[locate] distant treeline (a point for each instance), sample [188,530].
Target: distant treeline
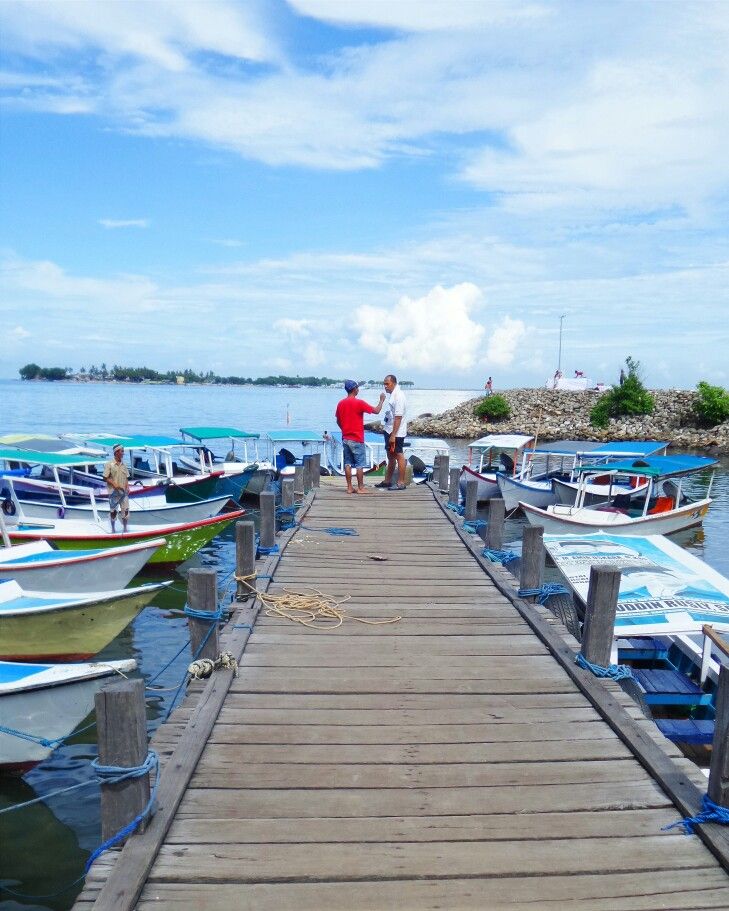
[147,375]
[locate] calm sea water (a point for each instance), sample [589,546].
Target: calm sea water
[43,848]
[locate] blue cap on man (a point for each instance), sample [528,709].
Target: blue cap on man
[350,385]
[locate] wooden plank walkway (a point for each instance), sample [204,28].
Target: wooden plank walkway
[443,761]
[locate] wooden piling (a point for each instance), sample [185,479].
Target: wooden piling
[454,492]
[268,519]
[287,492]
[121,723]
[202,595]
[444,469]
[533,556]
[306,462]
[436,471]
[299,481]
[245,558]
[718,790]
[599,626]
[315,460]
[494,536]
[471,504]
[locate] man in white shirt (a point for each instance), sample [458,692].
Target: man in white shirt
[395,423]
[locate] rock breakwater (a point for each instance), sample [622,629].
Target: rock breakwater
[560,415]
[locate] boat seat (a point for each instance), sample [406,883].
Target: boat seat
[642,648]
[669,687]
[687,730]
[662,504]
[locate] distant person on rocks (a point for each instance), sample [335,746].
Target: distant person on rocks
[116,475]
[622,376]
[557,378]
[350,418]
[489,387]
[395,423]
[579,374]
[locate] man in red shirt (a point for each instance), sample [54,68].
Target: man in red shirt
[350,417]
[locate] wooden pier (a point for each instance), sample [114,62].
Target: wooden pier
[454,759]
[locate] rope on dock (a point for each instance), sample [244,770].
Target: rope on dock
[710,812]
[313,609]
[544,592]
[612,671]
[499,556]
[202,668]
[455,507]
[474,525]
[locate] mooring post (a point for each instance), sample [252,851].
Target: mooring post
[602,603]
[494,532]
[454,490]
[315,458]
[533,557]
[287,492]
[202,595]
[121,726]
[299,481]
[306,462]
[443,470]
[471,504]
[435,476]
[719,767]
[245,559]
[268,518]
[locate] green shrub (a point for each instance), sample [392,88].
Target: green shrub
[493,407]
[629,398]
[712,405]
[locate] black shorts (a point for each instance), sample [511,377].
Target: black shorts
[399,443]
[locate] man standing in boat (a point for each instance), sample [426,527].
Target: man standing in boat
[396,426]
[116,475]
[350,417]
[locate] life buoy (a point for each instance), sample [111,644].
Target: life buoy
[8,507]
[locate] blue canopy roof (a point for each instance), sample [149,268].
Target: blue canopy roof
[217,433]
[629,448]
[653,466]
[294,436]
[138,441]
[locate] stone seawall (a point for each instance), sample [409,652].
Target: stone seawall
[566,415]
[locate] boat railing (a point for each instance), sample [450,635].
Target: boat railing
[711,639]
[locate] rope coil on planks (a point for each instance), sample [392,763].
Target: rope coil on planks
[314,609]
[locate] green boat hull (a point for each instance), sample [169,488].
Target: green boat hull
[203,489]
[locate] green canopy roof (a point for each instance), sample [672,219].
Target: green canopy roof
[137,441]
[46,458]
[217,433]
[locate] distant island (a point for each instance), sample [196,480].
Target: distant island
[117,374]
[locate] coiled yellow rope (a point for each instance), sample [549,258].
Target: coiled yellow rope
[313,609]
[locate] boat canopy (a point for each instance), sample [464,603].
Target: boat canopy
[58,459]
[564,447]
[218,433]
[630,448]
[652,467]
[501,441]
[294,436]
[138,441]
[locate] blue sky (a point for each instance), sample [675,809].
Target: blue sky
[351,188]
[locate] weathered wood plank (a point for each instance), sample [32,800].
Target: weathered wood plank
[633,891]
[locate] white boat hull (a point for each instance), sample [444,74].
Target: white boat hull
[163,514]
[50,710]
[37,566]
[595,494]
[536,493]
[487,484]
[561,520]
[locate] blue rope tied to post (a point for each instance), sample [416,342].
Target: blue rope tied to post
[455,507]
[612,671]
[265,551]
[499,556]
[286,523]
[335,530]
[210,616]
[710,812]
[110,774]
[473,525]
[544,593]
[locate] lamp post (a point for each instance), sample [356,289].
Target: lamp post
[559,356]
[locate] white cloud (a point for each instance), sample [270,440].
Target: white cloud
[124,222]
[434,332]
[19,333]
[292,328]
[314,355]
[504,342]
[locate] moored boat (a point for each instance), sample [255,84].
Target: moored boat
[75,626]
[489,456]
[244,473]
[655,509]
[46,702]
